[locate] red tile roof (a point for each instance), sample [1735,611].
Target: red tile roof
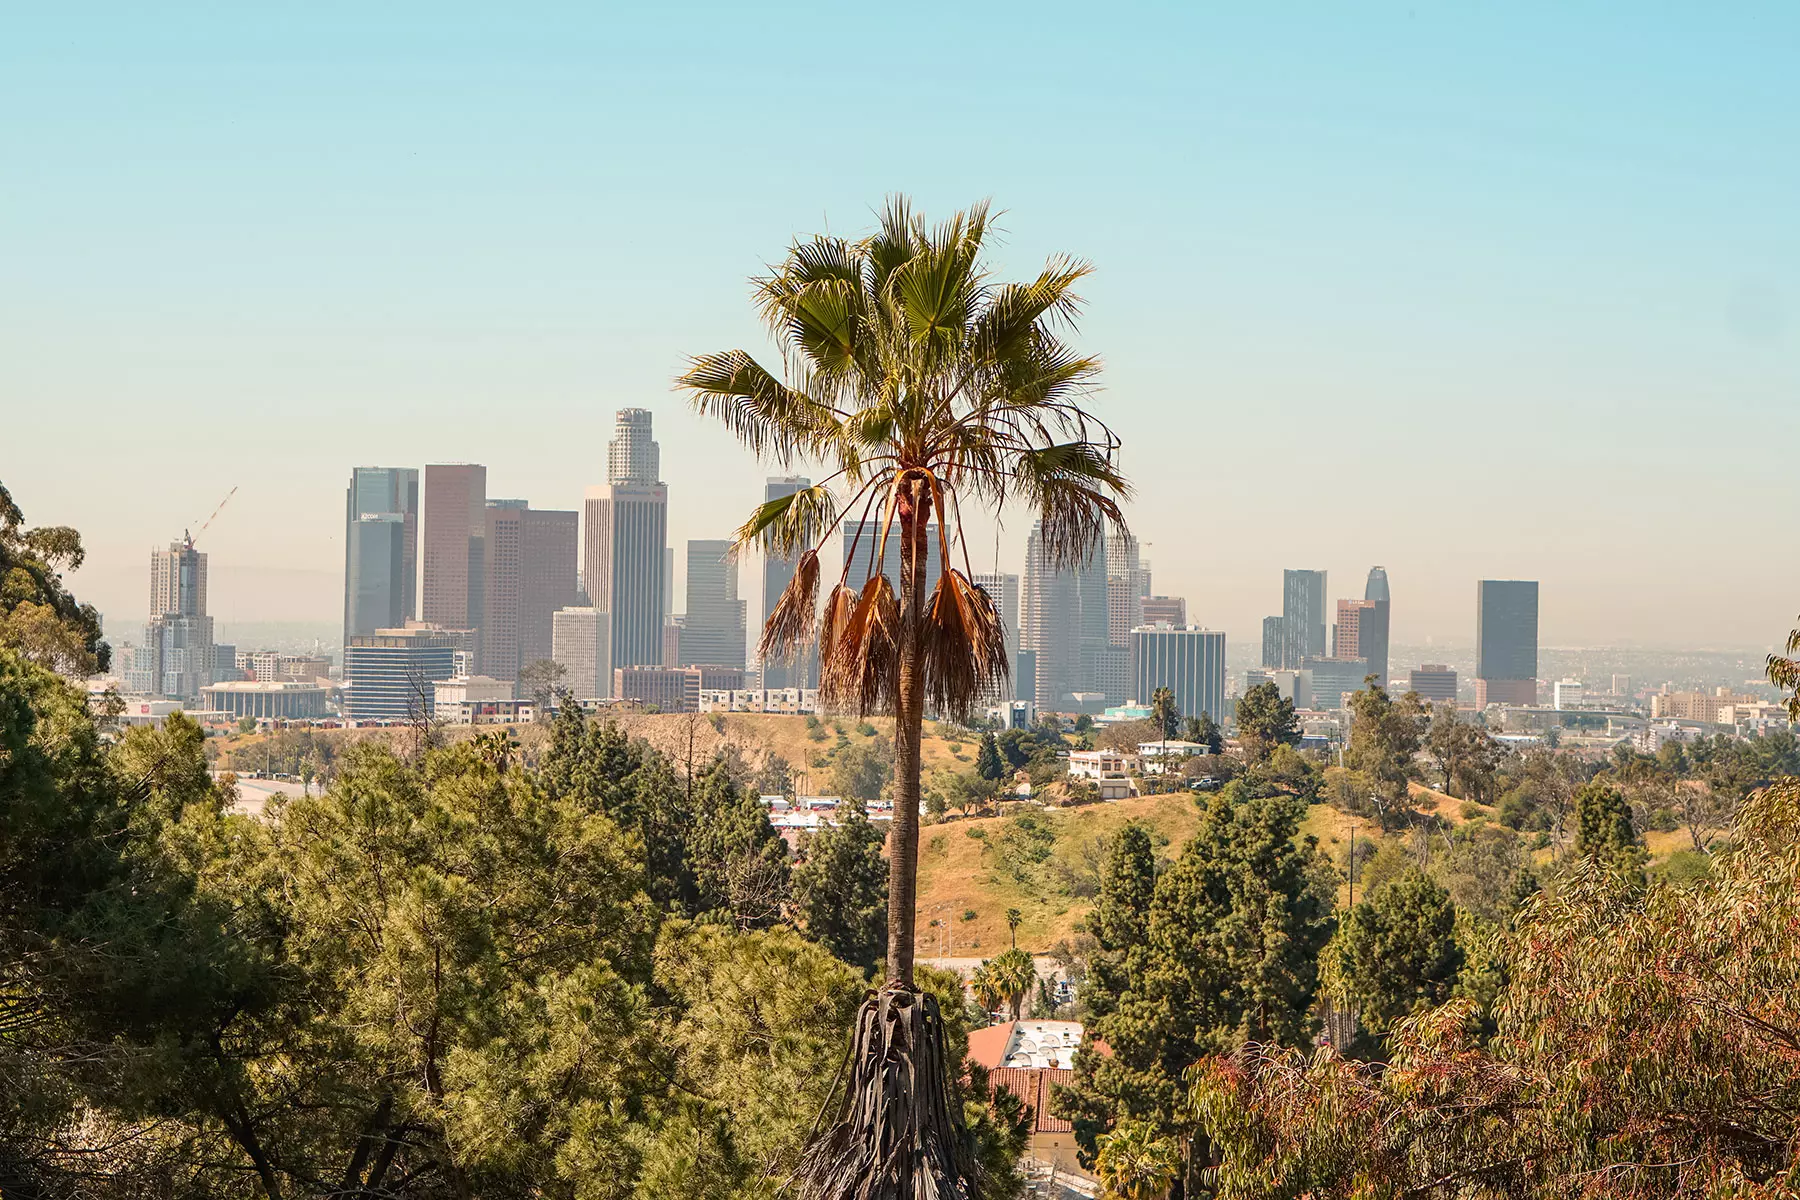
[1032,1085]
[988,1046]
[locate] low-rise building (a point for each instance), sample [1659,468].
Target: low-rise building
[1031,1059]
[1098,764]
[1167,755]
[673,689]
[281,700]
[791,701]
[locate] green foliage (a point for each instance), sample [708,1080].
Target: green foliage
[1204,731]
[1229,955]
[1385,734]
[740,862]
[1135,1163]
[1603,829]
[1395,953]
[988,763]
[1023,844]
[1266,720]
[840,891]
[860,772]
[39,619]
[1641,1037]
[1163,713]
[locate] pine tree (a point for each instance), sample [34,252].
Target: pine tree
[1603,829]
[740,862]
[840,890]
[1395,954]
[1265,719]
[1229,956]
[988,763]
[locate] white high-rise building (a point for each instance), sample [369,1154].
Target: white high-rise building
[580,645]
[1189,661]
[624,542]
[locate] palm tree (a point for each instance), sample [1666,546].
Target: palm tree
[1135,1164]
[989,989]
[920,385]
[1014,972]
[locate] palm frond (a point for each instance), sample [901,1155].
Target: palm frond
[787,525]
[1011,319]
[863,672]
[832,624]
[790,625]
[768,416]
[1076,492]
[964,644]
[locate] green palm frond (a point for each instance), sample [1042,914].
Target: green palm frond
[765,414]
[787,525]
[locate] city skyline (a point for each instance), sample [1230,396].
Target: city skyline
[1570,283]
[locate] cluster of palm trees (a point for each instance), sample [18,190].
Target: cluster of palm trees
[1005,981]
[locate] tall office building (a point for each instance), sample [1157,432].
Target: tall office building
[530,574]
[580,646]
[453,546]
[381,548]
[1302,616]
[1376,626]
[177,657]
[861,539]
[713,634]
[800,669]
[1003,590]
[178,580]
[1125,586]
[1361,632]
[1188,661]
[1274,643]
[633,455]
[1506,637]
[1065,625]
[623,545]
[1164,610]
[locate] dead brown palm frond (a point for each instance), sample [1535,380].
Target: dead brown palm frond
[964,644]
[862,671]
[838,607]
[790,626]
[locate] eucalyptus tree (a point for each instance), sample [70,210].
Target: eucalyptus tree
[919,384]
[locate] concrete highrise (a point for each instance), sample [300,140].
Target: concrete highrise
[1302,616]
[1003,590]
[1361,632]
[1506,642]
[1065,624]
[388,674]
[633,455]
[801,669]
[530,574]
[178,580]
[580,645]
[381,548]
[713,633]
[453,546]
[1188,661]
[623,545]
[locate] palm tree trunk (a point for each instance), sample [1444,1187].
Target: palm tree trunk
[909,721]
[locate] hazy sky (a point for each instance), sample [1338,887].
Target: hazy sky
[1496,290]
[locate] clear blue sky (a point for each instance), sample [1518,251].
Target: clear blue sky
[1499,290]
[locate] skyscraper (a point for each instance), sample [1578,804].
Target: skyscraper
[1124,612]
[1188,661]
[530,574]
[633,455]
[1376,626]
[381,548]
[177,657]
[1003,590]
[388,674]
[178,580]
[622,551]
[579,645]
[1274,643]
[1506,637]
[1302,616]
[1065,624]
[713,634]
[453,546]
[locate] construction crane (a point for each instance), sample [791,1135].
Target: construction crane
[188,538]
